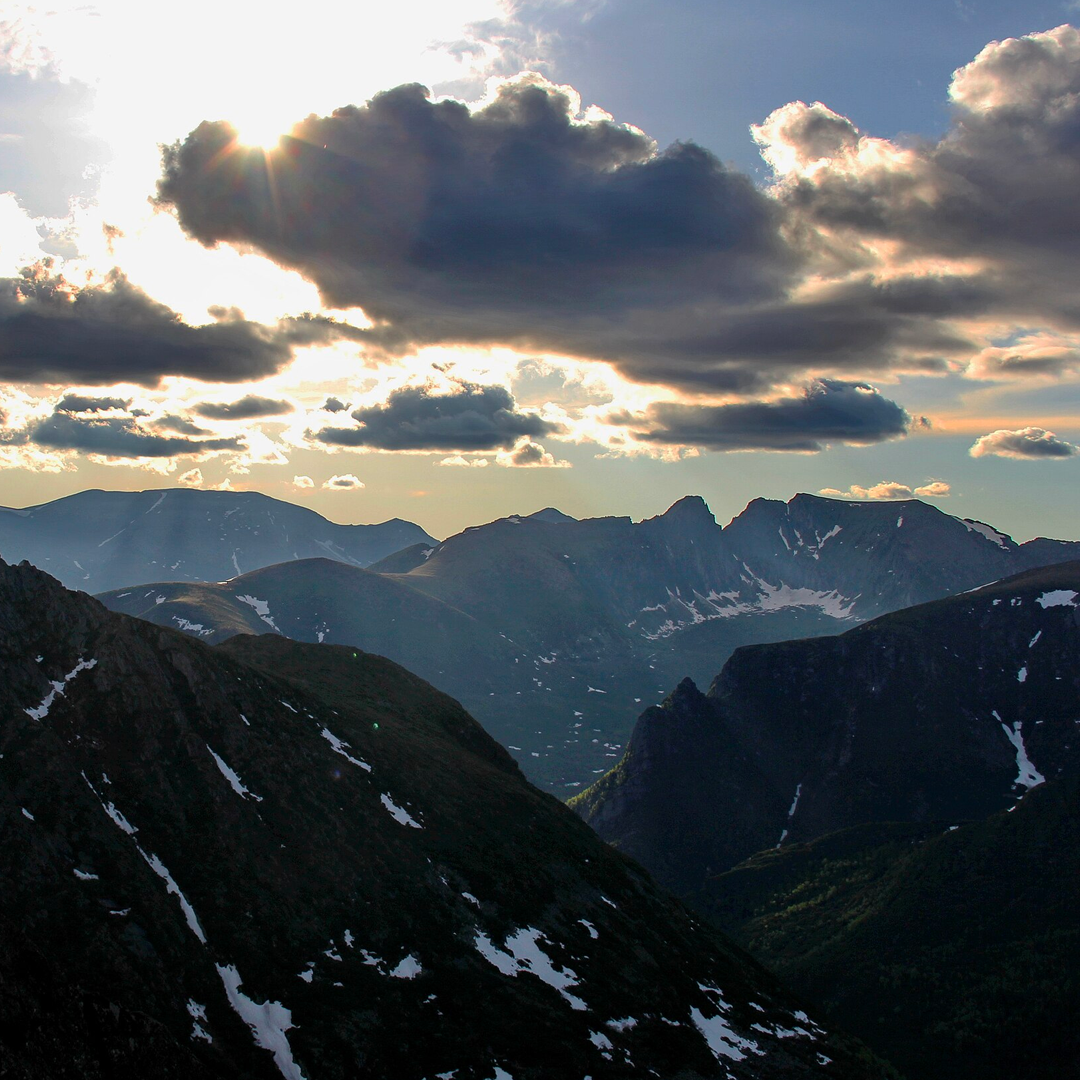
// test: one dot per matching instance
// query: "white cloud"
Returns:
(344, 482)
(302, 482)
(1024, 444)
(527, 454)
(888, 490)
(192, 478)
(459, 461)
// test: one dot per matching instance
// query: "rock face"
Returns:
(99, 540)
(270, 859)
(951, 950)
(946, 711)
(595, 618)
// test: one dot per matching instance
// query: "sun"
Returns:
(259, 131)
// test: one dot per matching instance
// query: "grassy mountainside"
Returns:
(953, 951)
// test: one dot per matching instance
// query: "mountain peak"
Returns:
(689, 508)
(550, 515)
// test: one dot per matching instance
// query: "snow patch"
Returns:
(162, 872)
(521, 952)
(26, 813)
(234, 781)
(399, 814)
(83, 876)
(1021, 675)
(1059, 598)
(58, 687)
(790, 814)
(261, 607)
(779, 597)
(409, 968)
(723, 1041)
(268, 1022)
(1027, 775)
(984, 530)
(340, 746)
(191, 627)
(1031, 643)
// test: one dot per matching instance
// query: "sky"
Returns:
(471, 258)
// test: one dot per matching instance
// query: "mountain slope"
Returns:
(954, 951)
(99, 540)
(943, 711)
(526, 701)
(277, 859)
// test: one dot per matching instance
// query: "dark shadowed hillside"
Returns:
(272, 859)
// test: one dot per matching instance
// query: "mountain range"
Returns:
(275, 859)
(585, 622)
(99, 540)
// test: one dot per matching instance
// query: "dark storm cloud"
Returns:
(117, 438)
(513, 224)
(517, 224)
(249, 407)
(827, 412)
(333, 404)
(180, 424)
(1031, 443)
(79, 403)
(422, 418)
(52, 331)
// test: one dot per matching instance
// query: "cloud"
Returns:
(935, 489)
(53, 331)
(117, 437)
(992, 201)
(828, 411)
(333, 404)
(527, 454)
(191, 478)
(888, 490)
(180, 424)
(519, 222)
(80, 403)
(1033, 356)
(1030, 443)
(344, 482)
(249, 407)
(457, 461)
(468, 417)
(303, 483)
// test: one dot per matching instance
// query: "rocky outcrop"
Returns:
(947, 711)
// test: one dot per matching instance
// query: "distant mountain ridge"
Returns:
(270, 859)
(99, 540)
(944, 711)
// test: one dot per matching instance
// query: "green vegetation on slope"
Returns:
(954, 952)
